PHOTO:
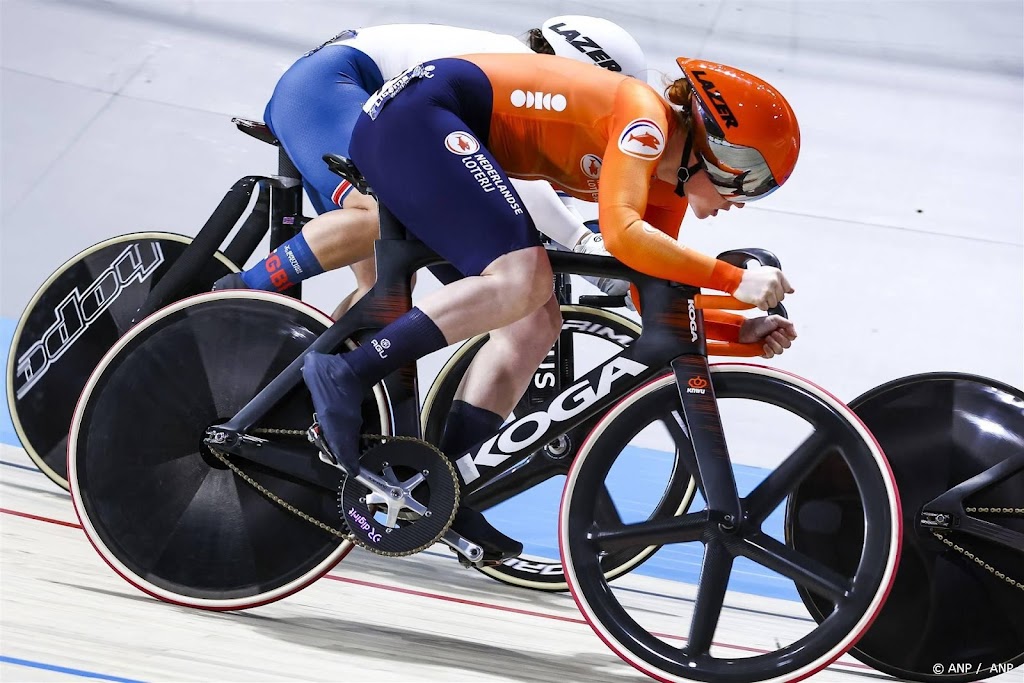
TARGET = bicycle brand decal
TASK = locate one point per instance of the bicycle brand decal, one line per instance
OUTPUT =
(371, 531)
(545, 377)
(394, 86)
(598, 330)
(697, 385)
(643, 139)
(567, 405)
(691, 312)
(539, 568)
(77, 312)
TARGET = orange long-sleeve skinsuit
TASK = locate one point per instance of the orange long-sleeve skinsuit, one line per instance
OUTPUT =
(598, 135)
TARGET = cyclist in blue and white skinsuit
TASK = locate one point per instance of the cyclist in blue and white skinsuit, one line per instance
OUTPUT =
(317, 101)
(313, 111)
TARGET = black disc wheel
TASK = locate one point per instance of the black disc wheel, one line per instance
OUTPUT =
(71, 321)
(948, 617)
(158, 505)
(589, 336)
(675, 632)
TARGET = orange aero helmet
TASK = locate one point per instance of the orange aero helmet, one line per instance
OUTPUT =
(746, 131)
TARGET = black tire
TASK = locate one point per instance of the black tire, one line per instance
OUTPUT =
(162, 510)
(531, 571)
(938, 430)
(585, 530)
(50, 361)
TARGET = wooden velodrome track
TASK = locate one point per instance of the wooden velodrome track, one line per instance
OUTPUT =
(67, 616)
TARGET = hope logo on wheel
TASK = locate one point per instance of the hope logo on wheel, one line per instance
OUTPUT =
(462, 143)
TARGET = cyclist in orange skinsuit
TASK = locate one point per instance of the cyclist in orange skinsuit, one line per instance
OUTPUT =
(438, 144)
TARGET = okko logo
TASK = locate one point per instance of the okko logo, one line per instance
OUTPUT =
(697, 385)
(381, 346)
(642, 138)
(590, 164)
(462, 143)
(538, 100)
(78, 311)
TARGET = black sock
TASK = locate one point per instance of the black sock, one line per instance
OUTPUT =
(467, 425)
(404, 341)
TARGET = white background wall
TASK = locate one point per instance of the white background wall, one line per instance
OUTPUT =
(901, 227)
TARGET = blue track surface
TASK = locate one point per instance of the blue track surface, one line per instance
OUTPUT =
(7, 434)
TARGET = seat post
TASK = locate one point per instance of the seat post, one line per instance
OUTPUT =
(286, 218)
(390, 227)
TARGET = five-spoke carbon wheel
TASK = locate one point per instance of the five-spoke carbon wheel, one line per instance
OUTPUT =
(593, 334)
(676, 634)
(162, 510)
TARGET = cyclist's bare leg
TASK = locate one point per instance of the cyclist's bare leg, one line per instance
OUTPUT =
(366, 274)
(512, 287)
(502, 369)
(344, 236)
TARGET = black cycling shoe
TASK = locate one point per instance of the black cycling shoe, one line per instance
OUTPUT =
(337, 398)
(475, 527)
(229, 281)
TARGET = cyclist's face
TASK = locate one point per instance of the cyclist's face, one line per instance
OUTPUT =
(705, 200)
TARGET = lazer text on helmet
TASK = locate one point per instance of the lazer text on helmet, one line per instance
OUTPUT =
(721, 106)
(587, 46)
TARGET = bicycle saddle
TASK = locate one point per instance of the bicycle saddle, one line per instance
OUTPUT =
(346, 168)
(256, 129)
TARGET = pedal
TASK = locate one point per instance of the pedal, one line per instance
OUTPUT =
(469, 553)
(315, 435)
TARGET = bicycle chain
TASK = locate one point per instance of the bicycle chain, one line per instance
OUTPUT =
(380, 437)
(1019, 512)
(323, 526)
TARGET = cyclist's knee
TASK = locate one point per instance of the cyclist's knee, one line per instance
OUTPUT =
(527, 274)
(552, 319)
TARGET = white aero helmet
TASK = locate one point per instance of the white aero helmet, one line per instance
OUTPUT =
(596, 41)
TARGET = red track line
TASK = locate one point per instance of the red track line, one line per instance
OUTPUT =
(449, 598)
(49, 520)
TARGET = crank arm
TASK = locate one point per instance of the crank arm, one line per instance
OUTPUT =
(472, 553)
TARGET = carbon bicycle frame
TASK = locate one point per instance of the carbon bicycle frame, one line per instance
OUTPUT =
(673, 336)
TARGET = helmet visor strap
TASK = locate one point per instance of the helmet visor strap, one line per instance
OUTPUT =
(684, 173)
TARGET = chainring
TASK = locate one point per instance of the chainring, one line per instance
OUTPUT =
(423, 472)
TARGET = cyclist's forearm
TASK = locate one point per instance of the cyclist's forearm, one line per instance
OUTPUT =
(645, 248)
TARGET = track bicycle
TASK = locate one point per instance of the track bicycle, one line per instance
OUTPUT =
(213, 466)
(96, 296)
